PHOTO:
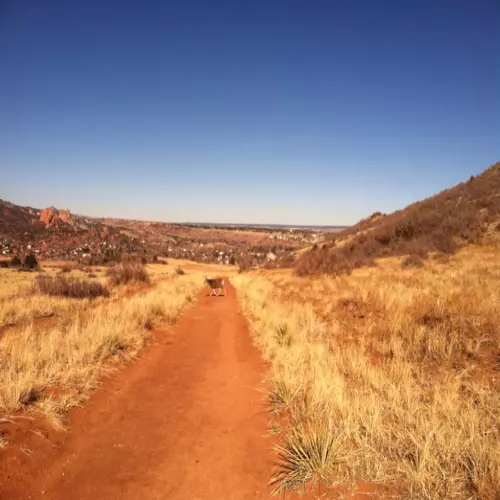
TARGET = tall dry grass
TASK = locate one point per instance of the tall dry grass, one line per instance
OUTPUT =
(71, 355)
(123, 274)
(21, 301)
(389, 375)
(75, 288)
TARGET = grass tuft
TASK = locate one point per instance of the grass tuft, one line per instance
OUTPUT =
(309, 454)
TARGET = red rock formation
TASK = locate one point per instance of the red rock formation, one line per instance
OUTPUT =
(50, 216)
(65, 216)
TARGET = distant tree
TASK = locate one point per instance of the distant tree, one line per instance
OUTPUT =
(30, 261)
(16, 262)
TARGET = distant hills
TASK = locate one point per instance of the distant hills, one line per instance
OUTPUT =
(53, 233)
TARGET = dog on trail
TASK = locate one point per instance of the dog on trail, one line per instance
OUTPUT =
(216, 285)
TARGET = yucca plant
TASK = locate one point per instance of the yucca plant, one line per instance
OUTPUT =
(308, 455)
(283, 336)
(281, 394)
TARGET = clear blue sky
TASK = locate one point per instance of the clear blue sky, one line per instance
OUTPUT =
(313, 112)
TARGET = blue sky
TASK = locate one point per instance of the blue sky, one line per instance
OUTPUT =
(305, 112)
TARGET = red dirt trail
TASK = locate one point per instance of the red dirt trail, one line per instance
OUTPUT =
(185, 421)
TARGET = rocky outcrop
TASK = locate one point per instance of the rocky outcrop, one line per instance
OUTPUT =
(51, 216)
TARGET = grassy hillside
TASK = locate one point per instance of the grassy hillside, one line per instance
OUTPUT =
(385, 379)
(444, 223)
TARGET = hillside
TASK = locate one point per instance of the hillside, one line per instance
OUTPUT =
(443, 223)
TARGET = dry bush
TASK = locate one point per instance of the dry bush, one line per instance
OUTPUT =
(179, 271)
(122, 274)
(30, 262)
(443, 223)
(60, 286)
(385, 376)
(244, 263)
(412, 261)
(340, 261)
(15, 262)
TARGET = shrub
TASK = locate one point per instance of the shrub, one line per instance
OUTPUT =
(70, 287)
(127, 273)
(180, 271)
(4, 264)
(30, 261)
(65, 269)
(336, 261)
(412, 261)
(15, 262)
(244, 263)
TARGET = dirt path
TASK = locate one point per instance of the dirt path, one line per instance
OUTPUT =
(186, 422)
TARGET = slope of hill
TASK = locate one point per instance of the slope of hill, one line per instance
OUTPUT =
(442, 223)
(13, 217)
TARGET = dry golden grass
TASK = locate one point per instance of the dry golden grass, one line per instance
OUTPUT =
(389, 375)
(69, 356)
(18, 303)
